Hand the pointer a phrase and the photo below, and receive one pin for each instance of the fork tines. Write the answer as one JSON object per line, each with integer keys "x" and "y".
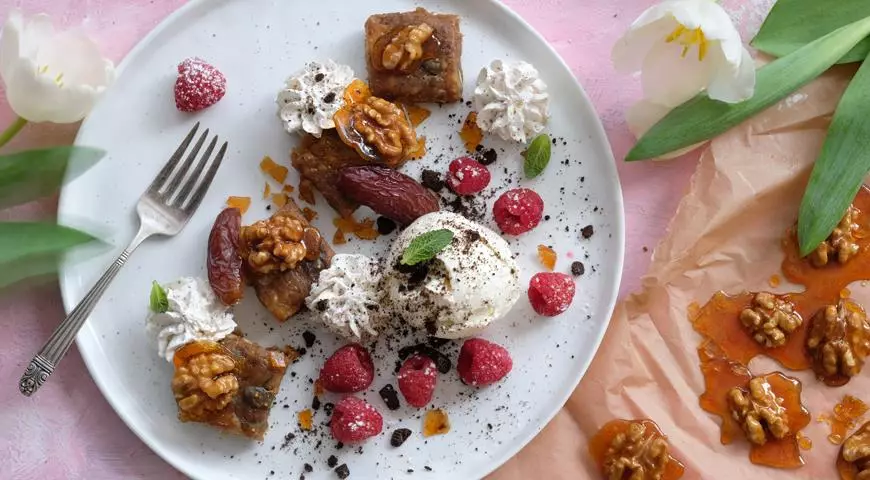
{"x": 181, "y": 184}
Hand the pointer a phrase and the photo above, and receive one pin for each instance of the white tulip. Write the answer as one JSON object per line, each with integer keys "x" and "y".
{"x": 50, "y": 76}
{"x": 682, "y": 47}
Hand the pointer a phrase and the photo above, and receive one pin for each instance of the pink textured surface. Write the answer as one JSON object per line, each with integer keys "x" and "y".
{"x": 69, "y": 430}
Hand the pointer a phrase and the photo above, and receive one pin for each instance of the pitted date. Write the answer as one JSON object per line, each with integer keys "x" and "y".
{"x": 224, "y": 261}
{"x": 388, "y": 192}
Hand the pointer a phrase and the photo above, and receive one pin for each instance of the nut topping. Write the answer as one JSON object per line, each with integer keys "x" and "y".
{"x": 635, "y": 455}
{"x": 377, "y": 129}
{"x": 856, "y": 451}
{"x": 838, "y": 342}
{"x": 840, "y": 244}
{"x": 406, "y": 47}
{"x": 279, "y": 243}
{"x": 770, "y": 319}
{"x": 759, "y": 411}
{"x": 204, "y": 384}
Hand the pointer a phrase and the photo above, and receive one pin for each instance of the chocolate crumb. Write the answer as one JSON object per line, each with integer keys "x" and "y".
{"x": 342, "y": 471}
{"x": 488, "y": 156}
{"x": 329, "y": 98}
{"x": 577, "y": 269}
{"x": 308, "y": 468}
{"x": 438, "y": 342}
{"x": 432, "y": 180}
{"x": 318, "y": 77}
{"x": 308, "y": 336}
{"x": 389, "y": 396}
{"x": 331, "y": 462}
{"x": 268, "y": 207}
{"x": 385, "y": 226}
{"x": 315, "y": 404}
{"x": 410, "y": 470}
{"x": 427, "y": 468}
{"x": 442, "y": 362}
{"x": 321, "y": 305}
{"x": 399, "y": 436}
{"x": 587, "y": 231}
{"x": 327, "y": 408}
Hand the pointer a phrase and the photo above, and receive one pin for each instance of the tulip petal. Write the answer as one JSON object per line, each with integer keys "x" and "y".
{"x": 76, "y": 57}
{"x": 38, "y": 98}
{"x": 670, "y": 79}
{"x": 733, "y": 84}
{"x": 629, "y": 52}
{"x": 641, "y": 116}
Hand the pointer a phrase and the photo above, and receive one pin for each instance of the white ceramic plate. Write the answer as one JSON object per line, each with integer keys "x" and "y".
{"x": 257, "y": 43}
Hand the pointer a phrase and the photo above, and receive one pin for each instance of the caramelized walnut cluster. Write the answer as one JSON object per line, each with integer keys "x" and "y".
{"x": 405, "y": 48}
{"x": 856, "y": 451}
{"x": 634, "y": 454}
{"x": 770, "y": 319}
{"x": 379, "y": 129}
{"x": 841, "y": 244}
{"x": 838, "y": 342}
{"x": 758, "y": 411}
{"x": 278, "y": 243}
{"x": 204, "y": 384}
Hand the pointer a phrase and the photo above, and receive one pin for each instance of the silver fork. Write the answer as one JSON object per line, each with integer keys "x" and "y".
{"x": 163, "y": 209}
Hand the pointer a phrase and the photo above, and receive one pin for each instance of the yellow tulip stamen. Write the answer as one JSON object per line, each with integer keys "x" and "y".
{"x": 59, "y": 79}
{"x": 41, "y": 70}
{"x": 689, "y": 38}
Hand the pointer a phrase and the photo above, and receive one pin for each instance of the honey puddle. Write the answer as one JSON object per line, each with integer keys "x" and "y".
{"x": 846, "y": 415}
{"x": 601, "y": 441}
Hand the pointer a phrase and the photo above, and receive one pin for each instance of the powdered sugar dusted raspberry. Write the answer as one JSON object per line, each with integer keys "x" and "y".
{"x": 349, "y": 369}
{"x": 551, "y": 293}
{"x": 482, "y": 362}
{"x": 416, "y": 379}
{"x": 467, "y": 176}
{"x": 518, "y": 211}
{"x": 199, "y": 85}
{"x": 354, "y": 420}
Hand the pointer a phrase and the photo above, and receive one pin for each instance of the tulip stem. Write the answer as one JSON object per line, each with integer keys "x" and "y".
{"x": 12, "y": 130}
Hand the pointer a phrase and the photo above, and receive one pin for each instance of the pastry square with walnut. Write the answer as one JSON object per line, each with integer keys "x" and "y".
{"x": 415, "y": 56}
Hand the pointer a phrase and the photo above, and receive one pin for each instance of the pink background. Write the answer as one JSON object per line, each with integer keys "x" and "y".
{"x": 69, "y": 431}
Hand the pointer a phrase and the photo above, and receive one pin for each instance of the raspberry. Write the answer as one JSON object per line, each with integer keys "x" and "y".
{"x": 348, "y": 370}
{"x": 354, "y": 420}
{"x": 417, "y": 380}
{"x": 199, "y": 85}
{"x": 518, "y": 211}
{"x": 482, "y": 362}
{"x": 551, "y": 293}
{"x": 467, "y": 176}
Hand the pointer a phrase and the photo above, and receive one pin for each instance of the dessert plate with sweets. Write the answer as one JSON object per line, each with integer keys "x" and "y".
{"x": 404, "y": 267}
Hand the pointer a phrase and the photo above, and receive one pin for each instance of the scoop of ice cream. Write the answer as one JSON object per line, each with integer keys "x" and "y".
{"x": 347, "y": 298}
{"x": 194, "y": 314}
{"x": 511, "y": 100}
{"x": 465, "y": 287}
{"x": 311, "y": 97}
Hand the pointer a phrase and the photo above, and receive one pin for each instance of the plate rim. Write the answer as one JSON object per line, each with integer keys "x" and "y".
{"x": 618, "y": 225}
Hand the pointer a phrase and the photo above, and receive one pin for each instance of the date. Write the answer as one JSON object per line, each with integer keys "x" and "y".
{"x": 388, "y": 192}
{"x": 224, "y": 260}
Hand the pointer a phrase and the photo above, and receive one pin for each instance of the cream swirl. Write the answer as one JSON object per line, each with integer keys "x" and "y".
{"x": 311, "y": 97}
{"x": 511, "y": 100}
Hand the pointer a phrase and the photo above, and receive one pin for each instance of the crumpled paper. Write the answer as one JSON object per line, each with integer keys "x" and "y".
{"x": 726, "y": 236}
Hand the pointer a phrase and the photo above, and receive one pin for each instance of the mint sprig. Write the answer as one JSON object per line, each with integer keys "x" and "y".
{"x": 425, "y": 246}
{"x": 159, "y": 302}
{"x": 537, "y": 156}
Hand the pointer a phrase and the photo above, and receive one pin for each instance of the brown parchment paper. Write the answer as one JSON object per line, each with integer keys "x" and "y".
{"x": 726, "y": 236}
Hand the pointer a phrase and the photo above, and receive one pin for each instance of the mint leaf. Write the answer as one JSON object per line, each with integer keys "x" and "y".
{"x": 537, "y": 155}
{"x": 159, "y": 302}
{"x": 426, "y": 246}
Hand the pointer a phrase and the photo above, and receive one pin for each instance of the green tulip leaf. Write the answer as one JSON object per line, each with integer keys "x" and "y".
{"x": 839, "y": 171}
{"x": 701, "y": 118}
{"x": 33, "y": 174}
{"x": 34, "y": 249}
{"x": 791, "y": 24}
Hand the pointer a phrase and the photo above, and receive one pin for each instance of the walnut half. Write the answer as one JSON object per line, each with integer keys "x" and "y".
{"x": 856, "y": 451}
{"x": 378, "y": 129}
{"x": 204, "y": 384}
{"x": 841, "y": 243}
{"x": 758, "y": 411}
{"x": 406, "y": 47}
{"x": 279, "y": 243}
{"x": 838, "y": 342}
{"x": 770, "y": 319}
{"x": 636, "y": 455}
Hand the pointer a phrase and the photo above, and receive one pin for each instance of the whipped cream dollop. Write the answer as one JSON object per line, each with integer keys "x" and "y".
{"x": 311, "y": 97}
{"x": 471, "y": 283}
{"x": 194, "y": 314}
{"x": 347, "y": 298}
{"x": 511, "y": 100}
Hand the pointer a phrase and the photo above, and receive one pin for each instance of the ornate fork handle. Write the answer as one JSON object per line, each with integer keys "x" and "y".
{"x": 43, "y": 363}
